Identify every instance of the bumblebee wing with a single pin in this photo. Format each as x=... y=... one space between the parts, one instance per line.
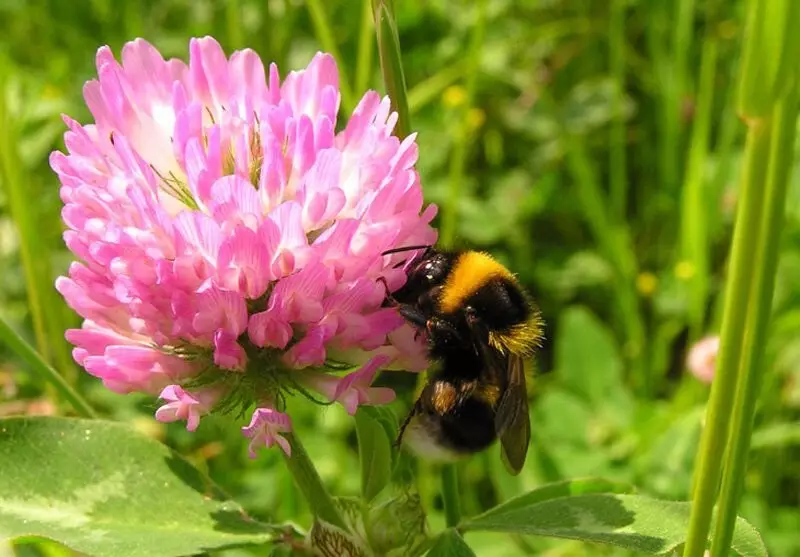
x=512 y=419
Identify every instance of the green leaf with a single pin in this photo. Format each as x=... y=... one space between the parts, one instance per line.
x=450 y=544
x=583 y=486
x=376 y=455
x=101 y=488
x=587 y=357
x=629 y=521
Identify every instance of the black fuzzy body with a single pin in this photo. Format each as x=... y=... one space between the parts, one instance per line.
x=468 y=424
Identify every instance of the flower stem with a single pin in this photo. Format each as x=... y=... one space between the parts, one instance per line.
x=751 y=370
x=26 y=352
x=723 y=388
x=450 y=495
x=310 y=484
x=767 y=103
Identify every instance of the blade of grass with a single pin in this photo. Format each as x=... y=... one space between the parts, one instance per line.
x=365 y=45
x=615 y=245
x=324 y=33
x=694 y=225
x=391 y=63
x=676 y=90
x=617 y=131
x=45 y=307
x=463 y=136
x=29 y=355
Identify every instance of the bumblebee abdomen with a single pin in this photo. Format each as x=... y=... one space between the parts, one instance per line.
x=467 y=428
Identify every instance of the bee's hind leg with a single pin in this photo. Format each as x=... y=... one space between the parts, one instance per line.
x=414 y=411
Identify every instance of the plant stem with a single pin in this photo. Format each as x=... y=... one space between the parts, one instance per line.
x=751 y=371
x=27 y=353
x=307 y=479
x=715 y=433
x=767 y=103
x=450 y=495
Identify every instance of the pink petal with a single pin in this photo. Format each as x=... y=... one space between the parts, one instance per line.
x=228 y=354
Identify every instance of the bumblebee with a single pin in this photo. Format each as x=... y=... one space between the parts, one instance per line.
x=481 y=326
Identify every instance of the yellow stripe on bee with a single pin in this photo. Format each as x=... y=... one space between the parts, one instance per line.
x=521 y=339
x=470 y=272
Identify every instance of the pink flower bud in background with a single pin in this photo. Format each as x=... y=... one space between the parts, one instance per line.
x=702 y=358
x=229 y=239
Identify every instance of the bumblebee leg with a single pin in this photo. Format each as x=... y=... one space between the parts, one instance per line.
x=414 y=411
x=413 y=315
x=389 y=297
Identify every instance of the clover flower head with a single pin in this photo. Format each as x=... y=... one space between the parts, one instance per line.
x=229 y=240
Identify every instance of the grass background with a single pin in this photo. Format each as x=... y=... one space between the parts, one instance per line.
x=591 y=146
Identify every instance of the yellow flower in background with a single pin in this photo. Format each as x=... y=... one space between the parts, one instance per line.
x=646 y=283
x=454 y=96
x=684 y=270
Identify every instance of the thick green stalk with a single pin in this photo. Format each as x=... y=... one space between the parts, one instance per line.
x=324 y=33
x=310 y=484
x=745 y=239
x=694 y=212
x=617 y=131
x=29 y=355
x=450 y=495
x=463 y=135
x=391 y=63
x=769 y=69
x=751 y=371
x=365 y=45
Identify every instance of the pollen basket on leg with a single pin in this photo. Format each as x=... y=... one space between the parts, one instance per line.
x=470 y=272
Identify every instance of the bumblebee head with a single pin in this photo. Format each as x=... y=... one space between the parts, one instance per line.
x=425 y=273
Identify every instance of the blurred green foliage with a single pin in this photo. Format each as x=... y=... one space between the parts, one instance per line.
x=577 y=123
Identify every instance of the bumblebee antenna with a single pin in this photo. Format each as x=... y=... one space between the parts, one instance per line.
x=407 y=248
